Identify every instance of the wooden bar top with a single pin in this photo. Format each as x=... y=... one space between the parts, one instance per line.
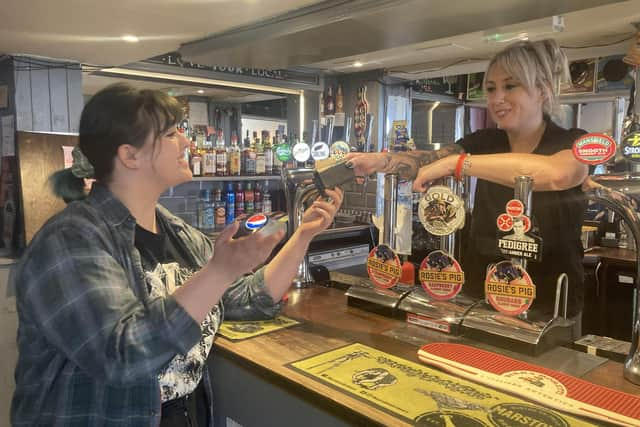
x=329 y=323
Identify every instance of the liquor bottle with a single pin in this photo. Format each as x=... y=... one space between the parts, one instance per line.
x=233 y=156
x=322 y=107
x=266 y=201
x=277 y=163
x=268 y=153
x=339 y=100
x=330 y=107
x=221 y=155
x=209 y=156
x=249 y=156
x=249 y=206
x=239 y=199
x=206 y=222
x=230 y=205
x=195 y=160
x=260 y=165
x=220 y=211
x=257 y=198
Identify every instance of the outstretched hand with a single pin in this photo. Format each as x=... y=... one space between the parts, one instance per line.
x=365 y=164
x=320 y=214
x=236 y=257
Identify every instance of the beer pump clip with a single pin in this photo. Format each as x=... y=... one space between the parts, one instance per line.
x=504 y=318
x=382 y=292
x=439 y=304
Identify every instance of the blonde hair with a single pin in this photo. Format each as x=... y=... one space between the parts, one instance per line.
x=537 y=65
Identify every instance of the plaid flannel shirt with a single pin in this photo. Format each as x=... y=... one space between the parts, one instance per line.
x=91 y=340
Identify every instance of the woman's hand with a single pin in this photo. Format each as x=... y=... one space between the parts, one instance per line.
x=235 y=257
x=364 y=164
x=431 y=172
x=320 y=214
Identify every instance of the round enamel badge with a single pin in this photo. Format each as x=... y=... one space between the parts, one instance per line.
x=441 y=276
x=440 y=211
x=320 y=151
x=594 y=148
x=383 y=267
x=509 y=288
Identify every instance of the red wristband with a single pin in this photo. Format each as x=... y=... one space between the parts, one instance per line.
x=458 y=170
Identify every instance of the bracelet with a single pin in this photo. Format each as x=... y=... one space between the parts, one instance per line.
x=459 y=165
x=466 y=164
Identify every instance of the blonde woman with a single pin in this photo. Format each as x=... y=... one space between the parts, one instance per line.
x=520 y=84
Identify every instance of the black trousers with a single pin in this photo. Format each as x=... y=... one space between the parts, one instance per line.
x=186 y=411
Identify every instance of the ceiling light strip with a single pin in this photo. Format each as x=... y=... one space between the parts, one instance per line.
x=196 y=80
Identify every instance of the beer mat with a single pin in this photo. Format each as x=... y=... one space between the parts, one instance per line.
x=542 y=385
x=242 y=330
x=420 y=394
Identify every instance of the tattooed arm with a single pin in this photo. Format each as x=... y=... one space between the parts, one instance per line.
x=406 y=164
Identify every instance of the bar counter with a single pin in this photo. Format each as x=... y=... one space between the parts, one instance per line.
x=256 y=367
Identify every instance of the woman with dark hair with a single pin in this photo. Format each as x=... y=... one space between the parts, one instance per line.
x=521 y=83
x=118 y=299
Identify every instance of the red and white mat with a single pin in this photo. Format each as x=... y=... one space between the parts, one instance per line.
x=542 y=385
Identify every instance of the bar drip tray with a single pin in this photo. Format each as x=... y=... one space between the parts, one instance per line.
x=533 y=335
x=443 y=316
x=367 y=297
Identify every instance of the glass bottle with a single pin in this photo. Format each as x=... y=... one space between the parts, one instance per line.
x=230 y=203
x=268 y=153
x=195 y=160
x=220 y=210
x=330 y=107
x=260 y=164
x=221 y=155
x=233 y=156
x=239 y=199
x=249 y=156
x=206 y=222
x=209 y=156
x=277 y=163
x=249 y=206
x=257 y=198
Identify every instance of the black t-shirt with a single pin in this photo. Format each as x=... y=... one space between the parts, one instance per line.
x=558 y=216
x=159 y=248
x=167 y=266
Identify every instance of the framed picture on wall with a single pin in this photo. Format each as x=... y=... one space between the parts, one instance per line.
x=475 y=92
x=583 y=76
x=614 y=74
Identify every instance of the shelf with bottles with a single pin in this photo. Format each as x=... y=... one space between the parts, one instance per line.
x=238 y=178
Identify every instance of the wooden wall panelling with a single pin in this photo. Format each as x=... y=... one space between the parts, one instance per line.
x=39 y=155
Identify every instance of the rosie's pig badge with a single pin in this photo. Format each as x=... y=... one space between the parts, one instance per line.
x=383 y=267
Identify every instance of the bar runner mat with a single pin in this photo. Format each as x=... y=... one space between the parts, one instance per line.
x=242 y=330
x=422 y=395
x=542 y=385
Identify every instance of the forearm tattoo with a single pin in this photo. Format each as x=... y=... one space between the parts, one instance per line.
x=408 y=163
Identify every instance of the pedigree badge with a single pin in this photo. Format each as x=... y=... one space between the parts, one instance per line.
x=383 y=267
x=509 y=288
x=441 y=276
x=594 y=148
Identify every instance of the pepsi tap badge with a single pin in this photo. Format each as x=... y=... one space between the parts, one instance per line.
x=263 y=223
